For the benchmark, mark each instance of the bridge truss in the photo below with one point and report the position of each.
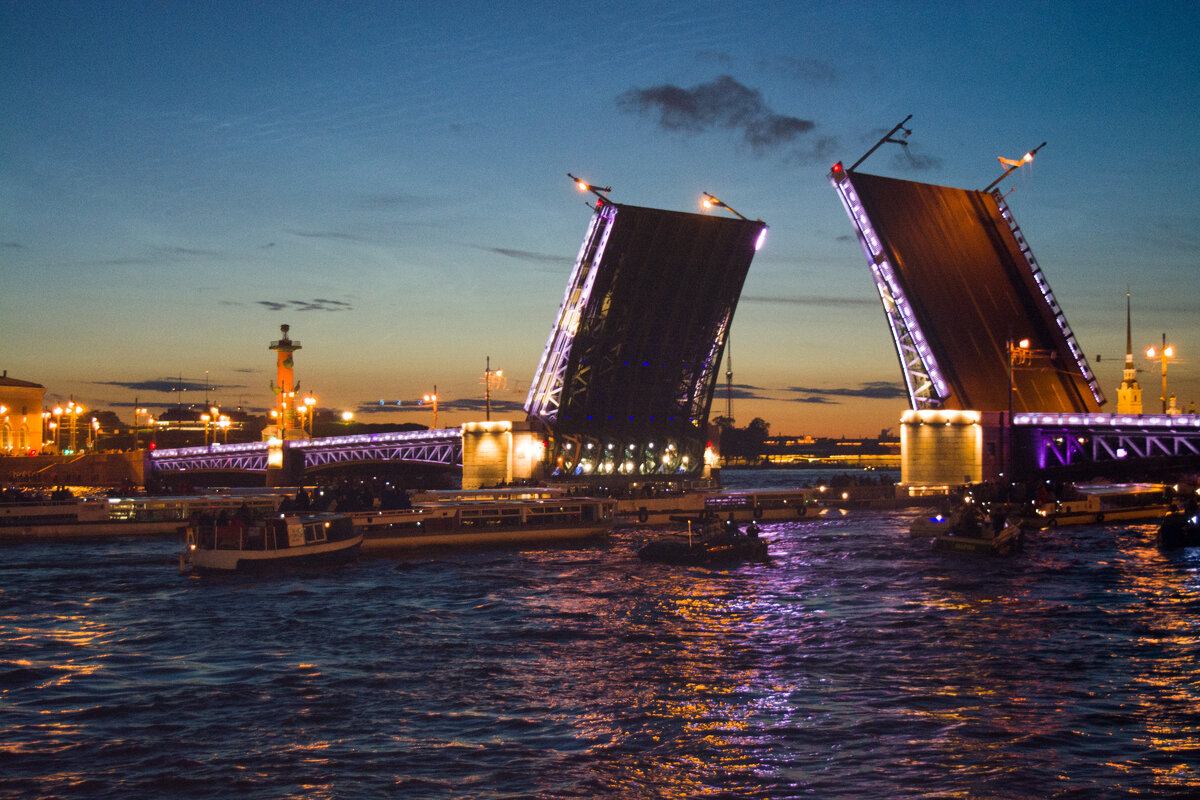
(437, 447)
(1059, 441)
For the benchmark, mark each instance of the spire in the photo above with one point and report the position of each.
(1129, 395)
(1128, 332)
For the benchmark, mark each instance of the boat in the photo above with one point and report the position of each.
(497, 518)
(712, 545)
(1097, 504)
(984, 541)
(95, 516)
(661, 509)
(241, 545)
(975, 530)
(928, 525)
(1179, 530)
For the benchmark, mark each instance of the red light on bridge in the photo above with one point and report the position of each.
(838, 172)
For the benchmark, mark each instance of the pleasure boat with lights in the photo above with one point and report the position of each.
(484, 518)
(1096, 504)
(248, 545)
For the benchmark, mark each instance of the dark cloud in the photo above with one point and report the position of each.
(525, 255)
(915, 161)
(813, 301)
(12, 245)
(467, 404)
(167, 385)
(871, 390)
(316, 304)
(722, 103)
(338, 235)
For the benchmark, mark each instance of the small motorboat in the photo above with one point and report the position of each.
(973, 533)
(1179, 530)
(982, 542)
(728, 545)
(238, 544)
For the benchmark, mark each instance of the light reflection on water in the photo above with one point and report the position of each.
(859, 663)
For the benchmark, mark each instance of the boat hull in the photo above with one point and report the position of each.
(984, 543)
(329, 554)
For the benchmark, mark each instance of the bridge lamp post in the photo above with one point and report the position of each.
(205, 418)
(58, 412)
(1021, 350)
(432, 398)
(310, 408)
(137, 416)
(1166, 352)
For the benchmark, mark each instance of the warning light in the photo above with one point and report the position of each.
(838, 172)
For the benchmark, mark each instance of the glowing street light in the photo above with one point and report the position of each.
(1167, 351)
(584, 186)
(711, 202)
(138, 413)
(432, 398)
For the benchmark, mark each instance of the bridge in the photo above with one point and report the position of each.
(998, 385)
(623, 387)
(442, 447)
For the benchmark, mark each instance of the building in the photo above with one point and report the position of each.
(21, 419)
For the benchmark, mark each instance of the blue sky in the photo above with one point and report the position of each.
(179, 179)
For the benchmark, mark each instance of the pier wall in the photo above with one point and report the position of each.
(500, 452)
(91, 469)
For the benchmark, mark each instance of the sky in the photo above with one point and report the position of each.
(177, 180)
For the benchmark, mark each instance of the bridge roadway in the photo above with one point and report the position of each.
(442, 446)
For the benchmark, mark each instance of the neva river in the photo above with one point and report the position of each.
(858, 664)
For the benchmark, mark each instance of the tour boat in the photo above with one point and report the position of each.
(1100, 503)
(282, 541)
(458, 519)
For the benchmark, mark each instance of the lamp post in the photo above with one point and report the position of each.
(432, 398)
(205, 418)
(310, 408)
(1166, 352)
(1021, 350)
(488, 374)
(74, 409)
(137, 415)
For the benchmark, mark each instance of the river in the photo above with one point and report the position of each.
(857, 664)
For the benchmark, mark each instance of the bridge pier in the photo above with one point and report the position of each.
(950, 448)
(285, 466)
(501, 452)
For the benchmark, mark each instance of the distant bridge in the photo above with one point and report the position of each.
(440, 447)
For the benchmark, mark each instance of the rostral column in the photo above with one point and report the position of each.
(285, 390)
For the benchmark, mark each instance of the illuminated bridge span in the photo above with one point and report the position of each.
(1067, 443)
(626, 380)
(959, 284)
(436, 447)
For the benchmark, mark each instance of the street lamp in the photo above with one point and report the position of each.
(137, 415)
(310, 408)
(1166, 352)
(74, 409)
(205, 418)
(432, 398)
(711, 202)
